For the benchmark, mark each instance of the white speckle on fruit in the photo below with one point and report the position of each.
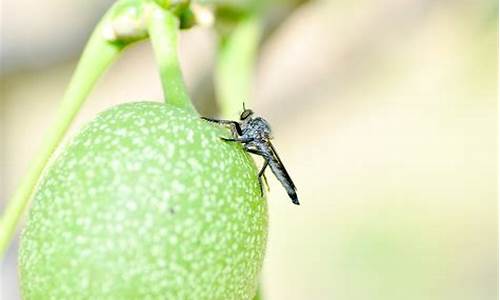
(190, 135)
(131, 205)
(173, 240)
(80, 239)
(178, 186)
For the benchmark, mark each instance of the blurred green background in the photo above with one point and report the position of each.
(384, 112)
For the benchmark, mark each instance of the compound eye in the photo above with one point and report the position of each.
(245, 114)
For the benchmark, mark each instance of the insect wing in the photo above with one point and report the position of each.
(282, 166)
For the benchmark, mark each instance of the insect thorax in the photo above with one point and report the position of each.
(257, 128)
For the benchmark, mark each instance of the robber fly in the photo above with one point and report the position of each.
(255, 135)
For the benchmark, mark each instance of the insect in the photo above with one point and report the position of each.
(255, 135)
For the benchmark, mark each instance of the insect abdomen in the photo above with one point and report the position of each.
(285, 180)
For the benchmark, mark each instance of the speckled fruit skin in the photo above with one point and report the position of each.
(146, 202)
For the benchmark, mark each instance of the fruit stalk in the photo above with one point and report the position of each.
(163, 31)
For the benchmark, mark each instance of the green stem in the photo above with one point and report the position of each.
(97, 56)
(235, 65)
(234, 70)
(163, 31)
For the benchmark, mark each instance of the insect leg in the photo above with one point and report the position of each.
(241, 140)
(257, 152)
(265, 181)
(261, 173)
(226, 122)
(217, 121)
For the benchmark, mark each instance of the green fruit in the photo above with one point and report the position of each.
(146, 202)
